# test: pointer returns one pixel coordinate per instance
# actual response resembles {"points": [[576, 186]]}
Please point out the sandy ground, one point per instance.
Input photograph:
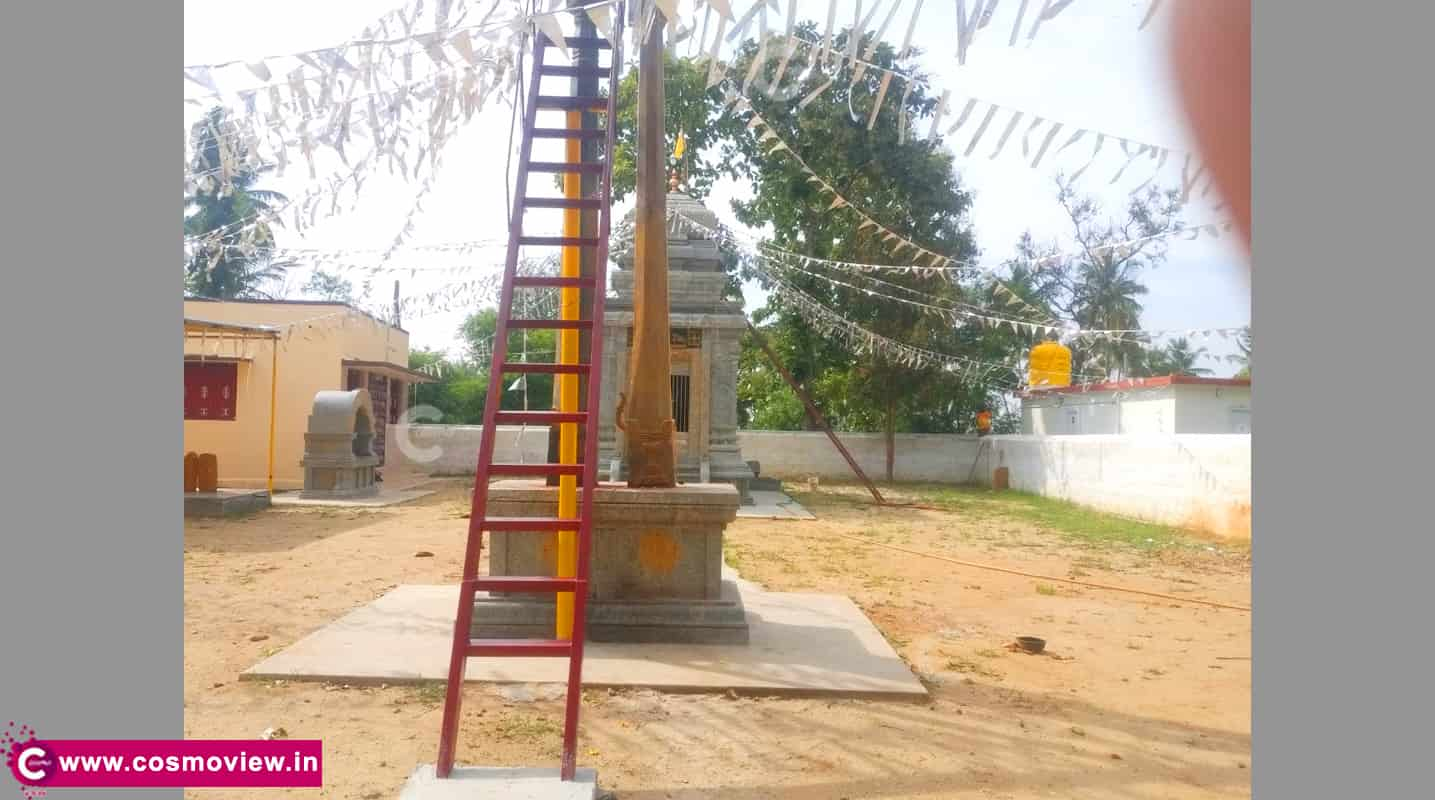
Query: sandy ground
{"points": [[1136, 698]]}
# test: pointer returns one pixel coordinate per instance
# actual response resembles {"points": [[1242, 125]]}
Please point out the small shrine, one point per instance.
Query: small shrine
{"points": [[339, 458], [705, 330]]}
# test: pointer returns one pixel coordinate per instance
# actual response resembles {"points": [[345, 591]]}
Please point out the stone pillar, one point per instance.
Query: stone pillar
{"points": [[615, 368], [724, 394]]}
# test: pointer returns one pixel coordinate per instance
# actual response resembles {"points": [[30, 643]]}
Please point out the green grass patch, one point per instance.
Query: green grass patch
{"points": [[1058, 516]]}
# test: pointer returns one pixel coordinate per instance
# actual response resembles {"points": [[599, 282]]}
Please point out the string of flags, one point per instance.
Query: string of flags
{"points": [[342, 258], [893, 241], [376, 49], [1039, 135], [973, 17], [862, 341], [956, 314], [297, 115], [921, 258], [1041, 138]]}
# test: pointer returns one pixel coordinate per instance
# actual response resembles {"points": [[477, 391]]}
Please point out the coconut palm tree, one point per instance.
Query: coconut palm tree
{"points": [[232, 213], [1099, 285], [1105, 299], [1177, 358]]}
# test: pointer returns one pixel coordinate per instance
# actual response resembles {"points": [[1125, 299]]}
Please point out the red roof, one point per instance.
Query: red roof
{"points": [[1138, 383]]}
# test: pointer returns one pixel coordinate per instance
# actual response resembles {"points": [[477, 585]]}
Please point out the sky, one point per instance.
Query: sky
{"points": [[1089, 67]]}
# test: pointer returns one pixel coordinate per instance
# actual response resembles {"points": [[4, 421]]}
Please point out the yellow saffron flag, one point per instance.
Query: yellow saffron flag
{"points": [[681, 146]]}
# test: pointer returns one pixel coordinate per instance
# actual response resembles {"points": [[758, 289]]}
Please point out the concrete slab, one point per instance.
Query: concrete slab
{"points": [[773, 505], [225, 502], [814, 645], [385, 497], [499, 783]]}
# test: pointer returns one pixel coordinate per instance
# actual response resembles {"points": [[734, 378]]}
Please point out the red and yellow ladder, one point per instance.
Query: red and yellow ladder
{"points": [[578, 478]]}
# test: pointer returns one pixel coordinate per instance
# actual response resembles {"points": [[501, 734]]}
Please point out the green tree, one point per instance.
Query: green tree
{"points": [[478, 331], [458, 391], [327, 286], [1178, 357], [1099, 285], [688, 107], [907, 184], [237, 258]]}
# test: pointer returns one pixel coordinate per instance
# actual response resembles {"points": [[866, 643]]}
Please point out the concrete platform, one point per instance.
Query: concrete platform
{"points": [[773, 505], [806, 645], [499, 783], [225, 502], [385, 497]]}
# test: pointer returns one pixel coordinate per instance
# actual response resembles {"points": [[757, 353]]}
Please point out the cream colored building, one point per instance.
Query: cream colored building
{"points": [[228, 363], [1171, 404]]}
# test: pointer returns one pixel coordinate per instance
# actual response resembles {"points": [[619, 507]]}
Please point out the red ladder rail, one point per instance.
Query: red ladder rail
{"points": [[464, 645]]}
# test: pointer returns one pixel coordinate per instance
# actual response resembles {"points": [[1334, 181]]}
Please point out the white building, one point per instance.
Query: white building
{"points": [[1173, 404]]}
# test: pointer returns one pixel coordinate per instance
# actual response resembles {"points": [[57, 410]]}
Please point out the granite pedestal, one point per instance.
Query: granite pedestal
{"points": [[656, 570]]}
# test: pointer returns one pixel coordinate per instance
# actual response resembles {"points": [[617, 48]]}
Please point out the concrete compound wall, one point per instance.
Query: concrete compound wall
{"points": [[453, 449], [935, 457], [1196, 481]]}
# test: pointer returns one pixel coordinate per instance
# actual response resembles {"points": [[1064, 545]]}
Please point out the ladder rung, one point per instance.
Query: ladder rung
{"points": [[537, 469], [559, 648], [582, 42], [573, 102], [570, 133], [590, 167], [540, 417], [545, 368], [551, 282], [576, 70], [551, 324], [562, 202], [529, 524], [560, 241], [506, 583]]}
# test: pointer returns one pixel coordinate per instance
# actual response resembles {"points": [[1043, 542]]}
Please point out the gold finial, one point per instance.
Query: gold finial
{"points": [[673, 181]]}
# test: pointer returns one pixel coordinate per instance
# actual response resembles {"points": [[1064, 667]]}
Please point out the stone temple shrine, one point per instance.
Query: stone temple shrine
{"points": [[657, 570], [705, 329]]}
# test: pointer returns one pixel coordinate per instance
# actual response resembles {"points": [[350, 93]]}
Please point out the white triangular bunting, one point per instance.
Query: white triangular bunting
{"points": [[549, 25], [202, 76], [981, 129], [463, 43], [602, 18]]}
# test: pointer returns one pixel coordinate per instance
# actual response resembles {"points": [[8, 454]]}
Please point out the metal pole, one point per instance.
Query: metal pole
{"points": [[815, 415], [568, 309], [273, 402]]}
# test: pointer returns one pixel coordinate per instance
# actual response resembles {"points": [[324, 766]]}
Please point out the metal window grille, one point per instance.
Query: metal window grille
{"points": [[680, 384]]}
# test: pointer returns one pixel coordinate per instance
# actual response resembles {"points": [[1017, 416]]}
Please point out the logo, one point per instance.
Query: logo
{"points": [[31, 761]]}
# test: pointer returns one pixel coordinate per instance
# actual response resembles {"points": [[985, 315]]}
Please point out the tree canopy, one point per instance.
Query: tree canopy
{"points": [[220, 267]]}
